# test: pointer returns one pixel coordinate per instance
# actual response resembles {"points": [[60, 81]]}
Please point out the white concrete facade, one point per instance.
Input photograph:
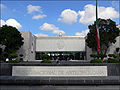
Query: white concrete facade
{"points": [[28, 48], [60, 44], [113, 47], [33, 44]]}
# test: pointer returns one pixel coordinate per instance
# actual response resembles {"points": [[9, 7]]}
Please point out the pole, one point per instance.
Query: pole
{"points": [[97, 31]]}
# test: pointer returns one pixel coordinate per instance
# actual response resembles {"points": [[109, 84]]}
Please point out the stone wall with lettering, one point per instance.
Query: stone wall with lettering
{"points": [[113, 69], [58, 71]]}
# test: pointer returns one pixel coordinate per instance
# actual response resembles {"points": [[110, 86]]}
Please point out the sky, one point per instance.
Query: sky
{"points": [[49, 18]]}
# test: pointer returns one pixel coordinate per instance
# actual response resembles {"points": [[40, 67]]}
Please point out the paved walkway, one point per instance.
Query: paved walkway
{"points": [[101, 87]]}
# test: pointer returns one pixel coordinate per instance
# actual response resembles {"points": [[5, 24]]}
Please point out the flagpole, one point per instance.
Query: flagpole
{"points": [[97, 31], [96, 11]]}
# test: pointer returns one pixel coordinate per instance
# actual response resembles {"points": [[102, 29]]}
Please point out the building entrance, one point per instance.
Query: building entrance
{"points": [[61, 55]]}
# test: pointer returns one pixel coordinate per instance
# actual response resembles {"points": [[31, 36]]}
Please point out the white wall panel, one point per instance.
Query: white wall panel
{"points": [[60, 44]]}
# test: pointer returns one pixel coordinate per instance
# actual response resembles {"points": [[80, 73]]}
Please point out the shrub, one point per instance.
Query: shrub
{"points": [[46, 61], [93, 55], [13, 61], [112, 55], [102, 56], [13, 55], [105, 61], [113, 60], [96, 61], [44, 56]]}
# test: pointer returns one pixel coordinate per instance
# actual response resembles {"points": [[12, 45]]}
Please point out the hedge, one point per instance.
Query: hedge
{"points": [[96, 61]]}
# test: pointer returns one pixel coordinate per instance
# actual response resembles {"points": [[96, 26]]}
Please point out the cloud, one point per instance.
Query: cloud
{"points": [[89, 15], [68, 16], [40, 34], [82, 34], [51, 27], [48, 27], [38, 16], [11, 22], [2, 22], [2, 6], [31, 9]]}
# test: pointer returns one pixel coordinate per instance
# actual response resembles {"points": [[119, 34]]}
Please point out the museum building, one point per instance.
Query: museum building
{"points": [[57, 47]]}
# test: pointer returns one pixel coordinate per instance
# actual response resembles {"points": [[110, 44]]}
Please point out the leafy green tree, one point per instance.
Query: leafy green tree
{"points": [[1, 55], [108, 33], [11, 38], [0, 51]]}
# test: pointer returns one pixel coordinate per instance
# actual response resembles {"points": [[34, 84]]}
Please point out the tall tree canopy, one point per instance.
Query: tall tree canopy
{"points": [[108, 33], [11, 38]]}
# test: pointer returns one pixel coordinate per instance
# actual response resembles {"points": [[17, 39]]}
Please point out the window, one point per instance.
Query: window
{"points": [[62, 55]]}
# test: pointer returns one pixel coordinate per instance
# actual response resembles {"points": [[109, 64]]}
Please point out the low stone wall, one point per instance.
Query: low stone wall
{"points": [[113, 78], [22, 80], [5, 69], [59, 71], [60, 87], [112, 68]]}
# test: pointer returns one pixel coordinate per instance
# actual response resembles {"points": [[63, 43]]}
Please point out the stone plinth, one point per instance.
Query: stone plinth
{"points": [[59, 71]]}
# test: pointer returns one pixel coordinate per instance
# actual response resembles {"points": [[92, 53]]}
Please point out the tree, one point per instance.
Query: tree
{"points": [[108, 33], [11, 38]]}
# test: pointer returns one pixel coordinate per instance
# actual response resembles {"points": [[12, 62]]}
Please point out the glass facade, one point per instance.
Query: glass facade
{"points": [[62, 55]]}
